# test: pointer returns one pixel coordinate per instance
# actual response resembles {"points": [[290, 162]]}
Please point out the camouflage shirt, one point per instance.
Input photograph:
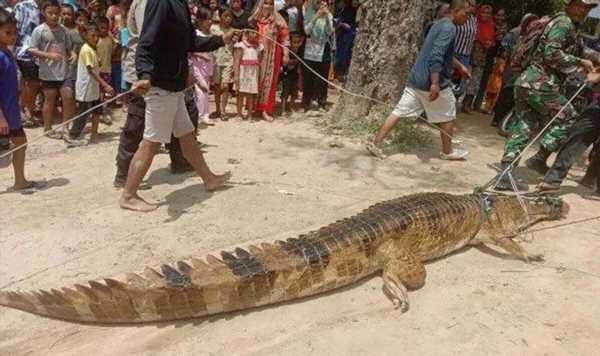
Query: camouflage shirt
{"points": [[557, 55]]}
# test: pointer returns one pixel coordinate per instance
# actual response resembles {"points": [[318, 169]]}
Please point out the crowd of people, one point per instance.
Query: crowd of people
{"points": [[73, 55], [164, 58], [469, 55]]}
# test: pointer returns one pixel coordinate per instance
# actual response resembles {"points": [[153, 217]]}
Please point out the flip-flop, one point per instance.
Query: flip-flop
{"points": [[544, 188]]}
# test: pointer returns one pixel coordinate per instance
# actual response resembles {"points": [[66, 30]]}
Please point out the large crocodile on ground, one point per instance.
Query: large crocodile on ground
{"points": [[394, 237]]}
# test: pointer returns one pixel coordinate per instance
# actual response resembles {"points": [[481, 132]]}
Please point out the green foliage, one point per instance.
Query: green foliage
{"points": [[405, 136]]}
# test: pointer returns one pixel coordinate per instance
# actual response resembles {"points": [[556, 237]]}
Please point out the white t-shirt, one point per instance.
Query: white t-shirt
{"points": [[87, 88]]}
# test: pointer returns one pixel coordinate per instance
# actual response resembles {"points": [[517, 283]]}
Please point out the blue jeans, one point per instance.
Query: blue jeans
{"points": [[459, 85]]}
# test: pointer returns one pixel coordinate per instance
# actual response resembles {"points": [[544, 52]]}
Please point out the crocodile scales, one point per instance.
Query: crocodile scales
{"points": [[394, 238]]}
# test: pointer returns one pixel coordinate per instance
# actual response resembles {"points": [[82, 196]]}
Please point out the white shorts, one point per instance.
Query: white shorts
{"points": [[165, 114], [414, 102]]}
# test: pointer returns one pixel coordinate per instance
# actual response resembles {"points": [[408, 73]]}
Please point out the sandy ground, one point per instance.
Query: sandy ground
{"points": [[289, 180]]}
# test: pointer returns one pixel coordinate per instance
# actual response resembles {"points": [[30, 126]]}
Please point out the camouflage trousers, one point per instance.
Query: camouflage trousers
{"points": [[533, 110]]}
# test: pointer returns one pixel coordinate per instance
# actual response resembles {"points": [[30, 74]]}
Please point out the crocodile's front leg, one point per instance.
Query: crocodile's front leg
{"points": [[401, 271]]}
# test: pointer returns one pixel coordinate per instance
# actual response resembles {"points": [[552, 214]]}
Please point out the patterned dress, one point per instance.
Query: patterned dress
{"points": [[272, 28], [249, 67]]}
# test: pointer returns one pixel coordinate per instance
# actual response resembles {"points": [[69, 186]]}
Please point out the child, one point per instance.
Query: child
{"points": [[223, 72], [202, 65], [104, 50], [246, 59], [87, 88], [10, 116], [290, 75], [51, 45], [67, 18], [216, 12]]}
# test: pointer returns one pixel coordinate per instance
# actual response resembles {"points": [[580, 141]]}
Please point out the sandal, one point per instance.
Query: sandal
{"points": [[55, 135], [548, 188], [375, 151]]}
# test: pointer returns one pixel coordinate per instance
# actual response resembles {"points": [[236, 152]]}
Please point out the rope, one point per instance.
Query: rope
{"points": [[9, 152], [340, 88], [532, 142]]}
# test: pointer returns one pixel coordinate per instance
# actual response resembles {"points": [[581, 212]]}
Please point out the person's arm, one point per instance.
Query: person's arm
{"points": [[144, 60], [107, 88], [35, 51], [464, 71], [553, 54], [592, 55], [442, 41], [206, 44]]}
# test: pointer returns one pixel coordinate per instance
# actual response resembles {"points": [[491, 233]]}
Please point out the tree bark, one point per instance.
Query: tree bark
{"points": [[384, 51]]}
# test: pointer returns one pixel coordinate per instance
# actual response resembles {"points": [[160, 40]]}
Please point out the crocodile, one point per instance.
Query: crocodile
{"points": [[394, 238]]}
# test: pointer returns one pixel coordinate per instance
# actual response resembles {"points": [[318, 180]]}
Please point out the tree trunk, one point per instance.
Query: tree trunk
{"points": [[384, 51]]}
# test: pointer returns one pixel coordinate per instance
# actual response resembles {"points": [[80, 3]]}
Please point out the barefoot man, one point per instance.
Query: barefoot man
{"points": [[162, 67]]}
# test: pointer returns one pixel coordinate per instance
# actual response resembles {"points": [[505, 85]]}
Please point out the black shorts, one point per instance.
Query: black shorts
{"points": [[15, 133], [52, 84], [29, 70], [83, 106]]}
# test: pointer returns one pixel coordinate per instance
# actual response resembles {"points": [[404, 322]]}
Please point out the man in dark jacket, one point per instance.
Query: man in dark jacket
{"points": [[162, 66]]}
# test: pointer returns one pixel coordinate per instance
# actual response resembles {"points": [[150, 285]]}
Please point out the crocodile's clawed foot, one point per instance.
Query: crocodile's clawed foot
{"points": [[535, 258], [398, 295]]}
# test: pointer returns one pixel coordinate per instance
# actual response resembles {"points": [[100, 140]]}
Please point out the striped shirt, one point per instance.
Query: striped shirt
{"points": [[465, 37]]}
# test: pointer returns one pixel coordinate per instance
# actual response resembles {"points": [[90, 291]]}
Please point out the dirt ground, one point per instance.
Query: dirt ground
{"points": [[288, 179]]}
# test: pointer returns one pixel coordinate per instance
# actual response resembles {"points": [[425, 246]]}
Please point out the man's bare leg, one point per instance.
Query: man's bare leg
{"points": [[385, 129], [446, 134], [30, 90], [18, 161], [68, 102], [194, 156], [140, 164], [48, 108]]}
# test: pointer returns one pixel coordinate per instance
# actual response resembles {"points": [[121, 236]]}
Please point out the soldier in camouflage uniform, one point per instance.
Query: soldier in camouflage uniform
{"points": [[539, 93]]}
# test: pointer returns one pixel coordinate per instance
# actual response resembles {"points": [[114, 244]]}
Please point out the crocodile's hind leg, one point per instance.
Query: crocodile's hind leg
{"points": [[401, 271]]}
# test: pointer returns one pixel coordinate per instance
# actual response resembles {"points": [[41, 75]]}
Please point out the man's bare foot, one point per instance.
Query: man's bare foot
{"points": [[136, 203], [267, 117], [217, 182]]}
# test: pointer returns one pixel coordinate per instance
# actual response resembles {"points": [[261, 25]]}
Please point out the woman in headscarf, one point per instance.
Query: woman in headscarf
{"points": [[486, 37], [318, 50], [272, 27]]}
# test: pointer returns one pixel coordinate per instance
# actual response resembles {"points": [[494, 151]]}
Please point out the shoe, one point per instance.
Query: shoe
{"points": [[322, 109], [375, 151], [55, 135], [457, 154], [504, 184], [207, 121], [73, 142], [215, 115], [537, 163], [119, 183]]}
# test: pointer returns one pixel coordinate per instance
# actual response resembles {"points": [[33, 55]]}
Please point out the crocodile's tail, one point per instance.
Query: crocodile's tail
{"points": [[190, 289]]}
